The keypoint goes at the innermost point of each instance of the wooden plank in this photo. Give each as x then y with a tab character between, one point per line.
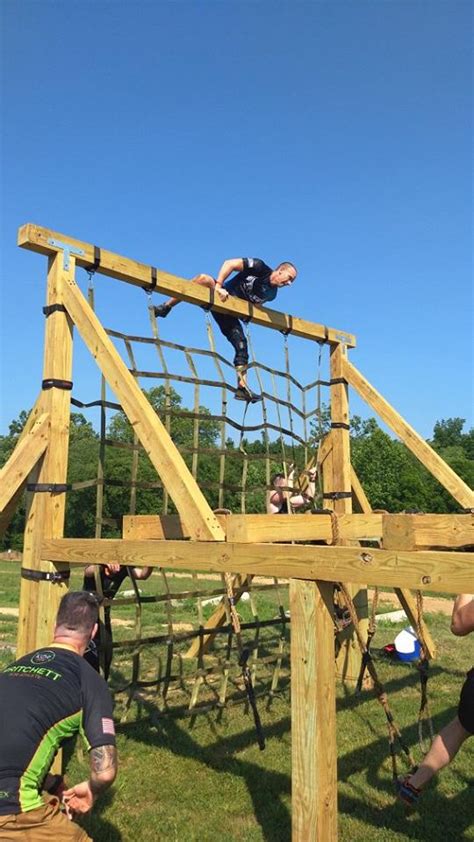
313	713
418	446
159	447
159	527
39	600
349	657
23	459
8	512
436	570
35	238
304	527
358	493
411	532
260	528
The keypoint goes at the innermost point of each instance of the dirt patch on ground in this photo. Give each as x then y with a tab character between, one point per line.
431	604
10	612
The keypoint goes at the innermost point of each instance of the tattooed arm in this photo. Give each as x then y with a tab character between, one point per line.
103	770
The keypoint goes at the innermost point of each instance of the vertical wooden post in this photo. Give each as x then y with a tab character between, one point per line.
39	600
313	713
349	658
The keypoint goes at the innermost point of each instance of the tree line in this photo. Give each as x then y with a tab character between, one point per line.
392	477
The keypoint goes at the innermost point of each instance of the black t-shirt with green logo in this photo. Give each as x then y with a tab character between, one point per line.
46	697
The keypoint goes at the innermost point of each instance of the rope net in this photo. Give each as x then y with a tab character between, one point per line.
163	653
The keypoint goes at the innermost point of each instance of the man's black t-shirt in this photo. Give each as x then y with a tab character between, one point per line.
46	697
253	282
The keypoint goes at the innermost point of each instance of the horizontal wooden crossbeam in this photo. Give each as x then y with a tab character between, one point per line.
36	238
399	532
428	570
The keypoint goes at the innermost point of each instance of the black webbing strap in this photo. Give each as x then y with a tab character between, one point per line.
287	330
335	381
321	511
52	487
95	265
248	318
42	576
247	678
54	308
339	425
210	303
154	280
53	383
337	495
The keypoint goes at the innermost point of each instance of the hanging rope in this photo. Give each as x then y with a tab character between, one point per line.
244	654
394	733
424	714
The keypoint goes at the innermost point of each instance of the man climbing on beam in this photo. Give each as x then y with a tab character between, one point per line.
256	282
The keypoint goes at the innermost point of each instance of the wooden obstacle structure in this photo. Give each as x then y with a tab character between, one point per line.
416	551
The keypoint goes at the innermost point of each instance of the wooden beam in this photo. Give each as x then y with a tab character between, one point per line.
418	446
260	528
36	238
23	459
45	518
412	532
428	570
313	713
358	493
349	657
159	447
8	512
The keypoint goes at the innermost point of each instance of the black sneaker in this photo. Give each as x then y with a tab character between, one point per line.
406	792
243	393
162	310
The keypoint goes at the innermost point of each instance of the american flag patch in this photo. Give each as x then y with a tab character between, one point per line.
108	726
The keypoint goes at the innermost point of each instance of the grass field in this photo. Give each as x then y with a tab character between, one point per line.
205	779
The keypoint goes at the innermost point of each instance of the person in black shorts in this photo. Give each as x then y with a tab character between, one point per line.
450	739
111	577
256	282
46	697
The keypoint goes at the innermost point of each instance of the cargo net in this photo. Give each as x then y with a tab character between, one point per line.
175	645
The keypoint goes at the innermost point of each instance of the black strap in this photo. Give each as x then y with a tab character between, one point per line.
210	303
53	487
287	330
53	383
247	677
41	576
54	308
247	319
154	280
322	512
335	381
337	495
339	425
95	265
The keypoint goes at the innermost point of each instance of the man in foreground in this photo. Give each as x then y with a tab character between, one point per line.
46	697
447	743
255	282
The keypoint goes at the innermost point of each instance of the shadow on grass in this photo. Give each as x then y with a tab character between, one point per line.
265	787
437	818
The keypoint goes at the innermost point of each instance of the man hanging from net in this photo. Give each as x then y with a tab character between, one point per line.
254	282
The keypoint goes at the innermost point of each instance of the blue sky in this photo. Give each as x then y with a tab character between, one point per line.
336	135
